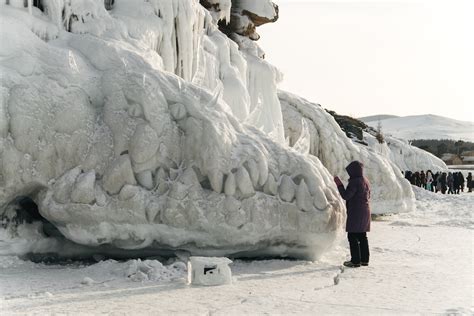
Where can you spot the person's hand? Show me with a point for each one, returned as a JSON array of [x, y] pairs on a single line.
[[338, 181]]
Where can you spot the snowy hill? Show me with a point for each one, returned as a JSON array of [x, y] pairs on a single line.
[[379, 117], [423, 127]]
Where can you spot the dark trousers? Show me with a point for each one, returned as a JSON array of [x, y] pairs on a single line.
[[359, 246]]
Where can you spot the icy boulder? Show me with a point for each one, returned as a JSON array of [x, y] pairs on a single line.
[[405, 156], [116, 150], [310, 129]]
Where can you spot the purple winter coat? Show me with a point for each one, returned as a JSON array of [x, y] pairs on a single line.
[[357, 195]]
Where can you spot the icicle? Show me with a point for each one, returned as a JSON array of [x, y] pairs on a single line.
[[55, 9]]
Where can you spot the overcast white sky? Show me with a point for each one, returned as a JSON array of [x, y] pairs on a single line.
[[377, 56]]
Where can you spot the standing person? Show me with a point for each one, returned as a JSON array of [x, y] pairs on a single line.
[[450, 183], [416, 179], [423, 179], [435, 182], [442, 181], [461, 181], [469, 182], [357, 195], [456, 182], [429, 180]]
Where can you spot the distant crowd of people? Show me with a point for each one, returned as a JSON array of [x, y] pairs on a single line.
[[450, 183]]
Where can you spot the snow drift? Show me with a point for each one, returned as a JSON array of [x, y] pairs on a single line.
[[144, 126]]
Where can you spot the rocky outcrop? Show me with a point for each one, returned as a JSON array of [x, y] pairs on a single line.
[[244, 16], [219, 9]]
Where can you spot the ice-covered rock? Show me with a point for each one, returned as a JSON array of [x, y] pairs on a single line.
[[144, 143], [146, 127], [405, 156], [390, 191], [220, 9], [230, 185], [271, 186], [246, 15], [399, 151], [304, 200], [244, 182], [84, 188], [286, 189], [118, 174], [145, 179]]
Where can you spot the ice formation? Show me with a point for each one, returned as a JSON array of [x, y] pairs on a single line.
[[144, 126], [405, 156], [157, 124], [309, 128]]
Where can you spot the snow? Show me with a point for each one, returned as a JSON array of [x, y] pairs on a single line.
[[412, 271], [426, 127], [377, 117], [263, 8]]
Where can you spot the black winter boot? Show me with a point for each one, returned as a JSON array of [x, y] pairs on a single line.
[[349, 264]]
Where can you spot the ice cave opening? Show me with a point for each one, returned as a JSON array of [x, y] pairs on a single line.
[[21, 218], [22, 210]]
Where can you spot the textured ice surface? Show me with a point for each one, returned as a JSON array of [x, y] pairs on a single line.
[[310, 128], [146, 127], [405, 156]]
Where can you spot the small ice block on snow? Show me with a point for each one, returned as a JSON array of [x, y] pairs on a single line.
[[209, 271]]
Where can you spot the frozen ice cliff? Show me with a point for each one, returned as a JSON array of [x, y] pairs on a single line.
[[310, 129], [139, 124], [157, 125], [399, 151], [404, 155]]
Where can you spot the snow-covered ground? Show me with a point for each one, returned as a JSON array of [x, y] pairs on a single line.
[[426, 126], [421, 263]]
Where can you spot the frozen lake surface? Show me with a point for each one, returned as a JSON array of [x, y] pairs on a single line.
[[421, 262]]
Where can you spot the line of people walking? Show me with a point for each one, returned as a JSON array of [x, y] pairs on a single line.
[[450, 183]]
